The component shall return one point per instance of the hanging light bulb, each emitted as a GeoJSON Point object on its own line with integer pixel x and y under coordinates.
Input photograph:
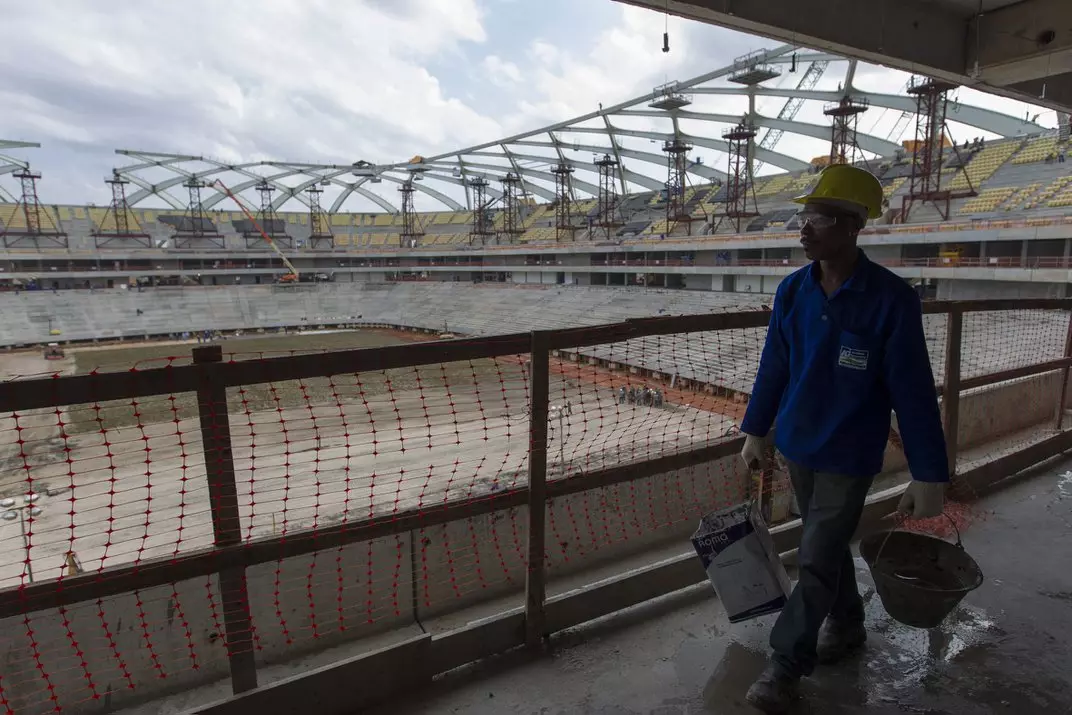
{"type": "Point", "coordinates": [666, 42]}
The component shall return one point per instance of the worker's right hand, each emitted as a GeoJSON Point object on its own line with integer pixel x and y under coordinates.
{"type": "Point", "coordinates": [754, 452]}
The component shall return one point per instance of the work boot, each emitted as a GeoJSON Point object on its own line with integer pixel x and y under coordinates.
{"type": "Point", "coordinates": [774, 692]}
{"type": "Point", "coordinates": [837, 641]}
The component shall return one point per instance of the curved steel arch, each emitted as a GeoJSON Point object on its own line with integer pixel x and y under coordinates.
{"type": "Point", "coordinates": [987, 119]}
{"type": "Point", "coordinates": [538, 181]}
{"type": "Point", "coordinates": [441, 197]}
{"type": "Point", "coordinates": [867, 142]}
{"type": "Point", "coordinates": [356, 188]}
{"type": "Point", "coordinates": [433, 173]}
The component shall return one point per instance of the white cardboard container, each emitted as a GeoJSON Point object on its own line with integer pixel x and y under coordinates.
{"type": "Point", "coordinates": [738, 554]}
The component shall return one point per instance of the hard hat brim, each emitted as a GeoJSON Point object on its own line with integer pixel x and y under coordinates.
{"type": "Point", "coordinates": [841, 204]}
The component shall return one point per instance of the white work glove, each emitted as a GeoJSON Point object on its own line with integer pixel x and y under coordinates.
{"type": "Point", "coordinates": [754, 452]}
{"type": "Point", "coordinates": [923, 500]}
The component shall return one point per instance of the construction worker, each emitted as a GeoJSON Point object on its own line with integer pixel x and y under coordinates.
{"type": "Point", "coordinates": [844, 346]}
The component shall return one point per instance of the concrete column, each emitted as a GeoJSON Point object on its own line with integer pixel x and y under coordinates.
{"type": "Point", "coordinates": [1023, 251]}
{"type": "Point", "coordinates": [982, 249]}
{"type": "Point", "coordinates": [1068, 248]}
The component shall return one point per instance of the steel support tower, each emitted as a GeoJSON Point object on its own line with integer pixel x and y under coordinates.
{"type": "Point", "coordinates": [320, 235]}
{"type": "Point", "coordinates": [677, 162]}
{"type": "Point", "coordinates": [844, 115]}
{"type": "Point", "coordinates": [481, 231]}
{"type": "Point", "coordinates": [412, 233]}
{"type": "Point", "coordinates": [740, 193]}
{"type": "Point", "coordinates": [565, 229]}
{"type": "Point", "coordinates": [512, 225]}
{"type": "Point", "coordinates": [607, 201]}
{"type": "Point", "coordinates": [122, 218]}
{"type": "Point", "coordinates": [195, 229]}
{"type": "Point", "coordinates": [40, 229]}
{"type": "Point", "coordinates": [925, 182]}
{"type": "Point", "coordinates": [270, 222]}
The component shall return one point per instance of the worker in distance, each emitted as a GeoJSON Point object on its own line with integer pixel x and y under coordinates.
{"type": "Point", "coordinates": [845, 346]}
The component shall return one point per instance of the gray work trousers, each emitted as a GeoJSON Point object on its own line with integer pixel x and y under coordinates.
{"type": "Point", "coordinates": [830, 508]}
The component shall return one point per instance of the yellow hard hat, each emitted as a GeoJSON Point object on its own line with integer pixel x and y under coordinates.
{"type": "Point", "coordinates": [847, 187]}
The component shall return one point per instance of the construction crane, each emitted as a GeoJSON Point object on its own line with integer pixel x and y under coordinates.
{"type": "Point", "coordinates": [791, 107]}
{"type": "Point", "coordinates": [291, 277]}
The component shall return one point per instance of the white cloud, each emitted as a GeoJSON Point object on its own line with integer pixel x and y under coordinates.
{"type": "Point", "coordinates": [287, 79]}
{"type": "Point", "coordinates": [323, 81]}
{"type": "Point", "coordinates": [501, 72]}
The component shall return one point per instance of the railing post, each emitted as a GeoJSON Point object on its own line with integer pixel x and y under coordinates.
{"type": "Point", "coordinates": [223, 505]}
{"type": "Point", "coordinates": [1059, 412]}
{"type": "Point", "coordinates": [535, 586]}
{"type": "Point", "coordinates": [951, 386]}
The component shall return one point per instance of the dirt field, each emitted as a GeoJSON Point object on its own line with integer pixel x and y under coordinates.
{"type": "Point", "coordinates": [121, 482]}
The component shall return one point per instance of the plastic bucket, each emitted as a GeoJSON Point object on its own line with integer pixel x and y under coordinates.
{"type": "Point", "coordinates": [920, 579]}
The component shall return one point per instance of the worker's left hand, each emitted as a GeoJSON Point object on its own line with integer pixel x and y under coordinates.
{"type": "Point", "coordinates": [923, 500]}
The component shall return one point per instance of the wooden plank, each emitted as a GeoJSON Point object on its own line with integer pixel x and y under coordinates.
{"type": "Point", "coordinates": [951, 386]}
{"type": "Point", "coordinates": [598, 479]}
{"type": "Point", "coordinates": [341, 688]}
{"type": "Point", "coordinates": [995, 304]}
{"type": "Point", "coordinates": [300, 367]}
{"type": "Point", "coordinates": [535, 586]}
{"type": "Point", "coordinates": [226, 527]}
{"type": "Point", "coordinates": [668, 325]}
{"type": "Point", "coordinates": [22, 395]}
{"type": "Point", "coordinates": [1014, 373]}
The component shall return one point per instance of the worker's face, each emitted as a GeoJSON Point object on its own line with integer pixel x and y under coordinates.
{"type": "Point", "coordinates": [826, 232]}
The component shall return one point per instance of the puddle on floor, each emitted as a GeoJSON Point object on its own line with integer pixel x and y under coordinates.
{"type": "Point", "coordinates": [1064, 485]}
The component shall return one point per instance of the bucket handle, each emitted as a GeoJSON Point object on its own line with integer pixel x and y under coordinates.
{"type": "Point", "coordinates": [902, 518]}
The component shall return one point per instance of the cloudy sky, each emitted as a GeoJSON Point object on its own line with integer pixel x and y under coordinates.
{"type": "Point", "coordinates": [334, 82]}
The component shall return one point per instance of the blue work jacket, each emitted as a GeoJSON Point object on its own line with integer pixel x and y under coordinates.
{"type": "Point", "coordinates": [833, 368]}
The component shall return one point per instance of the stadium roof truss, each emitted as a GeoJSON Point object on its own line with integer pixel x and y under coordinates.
{"type": "Point", "coordinates": [576, 142]}
{"type": "Point", "coordinates": [10, 164]}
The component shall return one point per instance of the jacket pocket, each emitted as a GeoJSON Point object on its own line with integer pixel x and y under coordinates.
{"type": "Point", "coordinates": [857, 355]}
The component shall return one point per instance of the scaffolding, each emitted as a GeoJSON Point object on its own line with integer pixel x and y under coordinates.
{"type": "Point", "coordinates": [925, 183]}
{"type": "Point", "coordinates": [740, 190]}
{"type": "Point", "coordinates": [269, 221]}
{"type": "Point", "coordinates": [607, 207]}
{"type": "Point", "coordinates": [565, 229]}
{"type": "Point", "coordinates": [121, 219]}
{"type": "Point", "coordinates": [844, 115]}
{"type": "Point", "coordinates": [412, 232]}
{"type": "Point", "coordinates": [194, 229]}
{"type": "Point", "coordinates": [39, 229]}
{"type": "Point", "coordinates": [511, 226]}
{"type": "Point", "coordinates": [677, 164]}
{"type": "Point", "coordinates": [480, 230]}
{"type": "Point", "coordinates": [320, 235]}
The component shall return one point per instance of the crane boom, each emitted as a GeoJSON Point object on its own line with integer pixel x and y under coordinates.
{"type": "Point", "coordinates": [268, 239]}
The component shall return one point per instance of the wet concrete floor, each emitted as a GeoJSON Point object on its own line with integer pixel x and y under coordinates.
{"type": "Point", "coordinates": [1006, 649]}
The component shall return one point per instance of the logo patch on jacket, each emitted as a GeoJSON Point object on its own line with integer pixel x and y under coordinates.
{"type": "Point", "coordinates": [853, 359]}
